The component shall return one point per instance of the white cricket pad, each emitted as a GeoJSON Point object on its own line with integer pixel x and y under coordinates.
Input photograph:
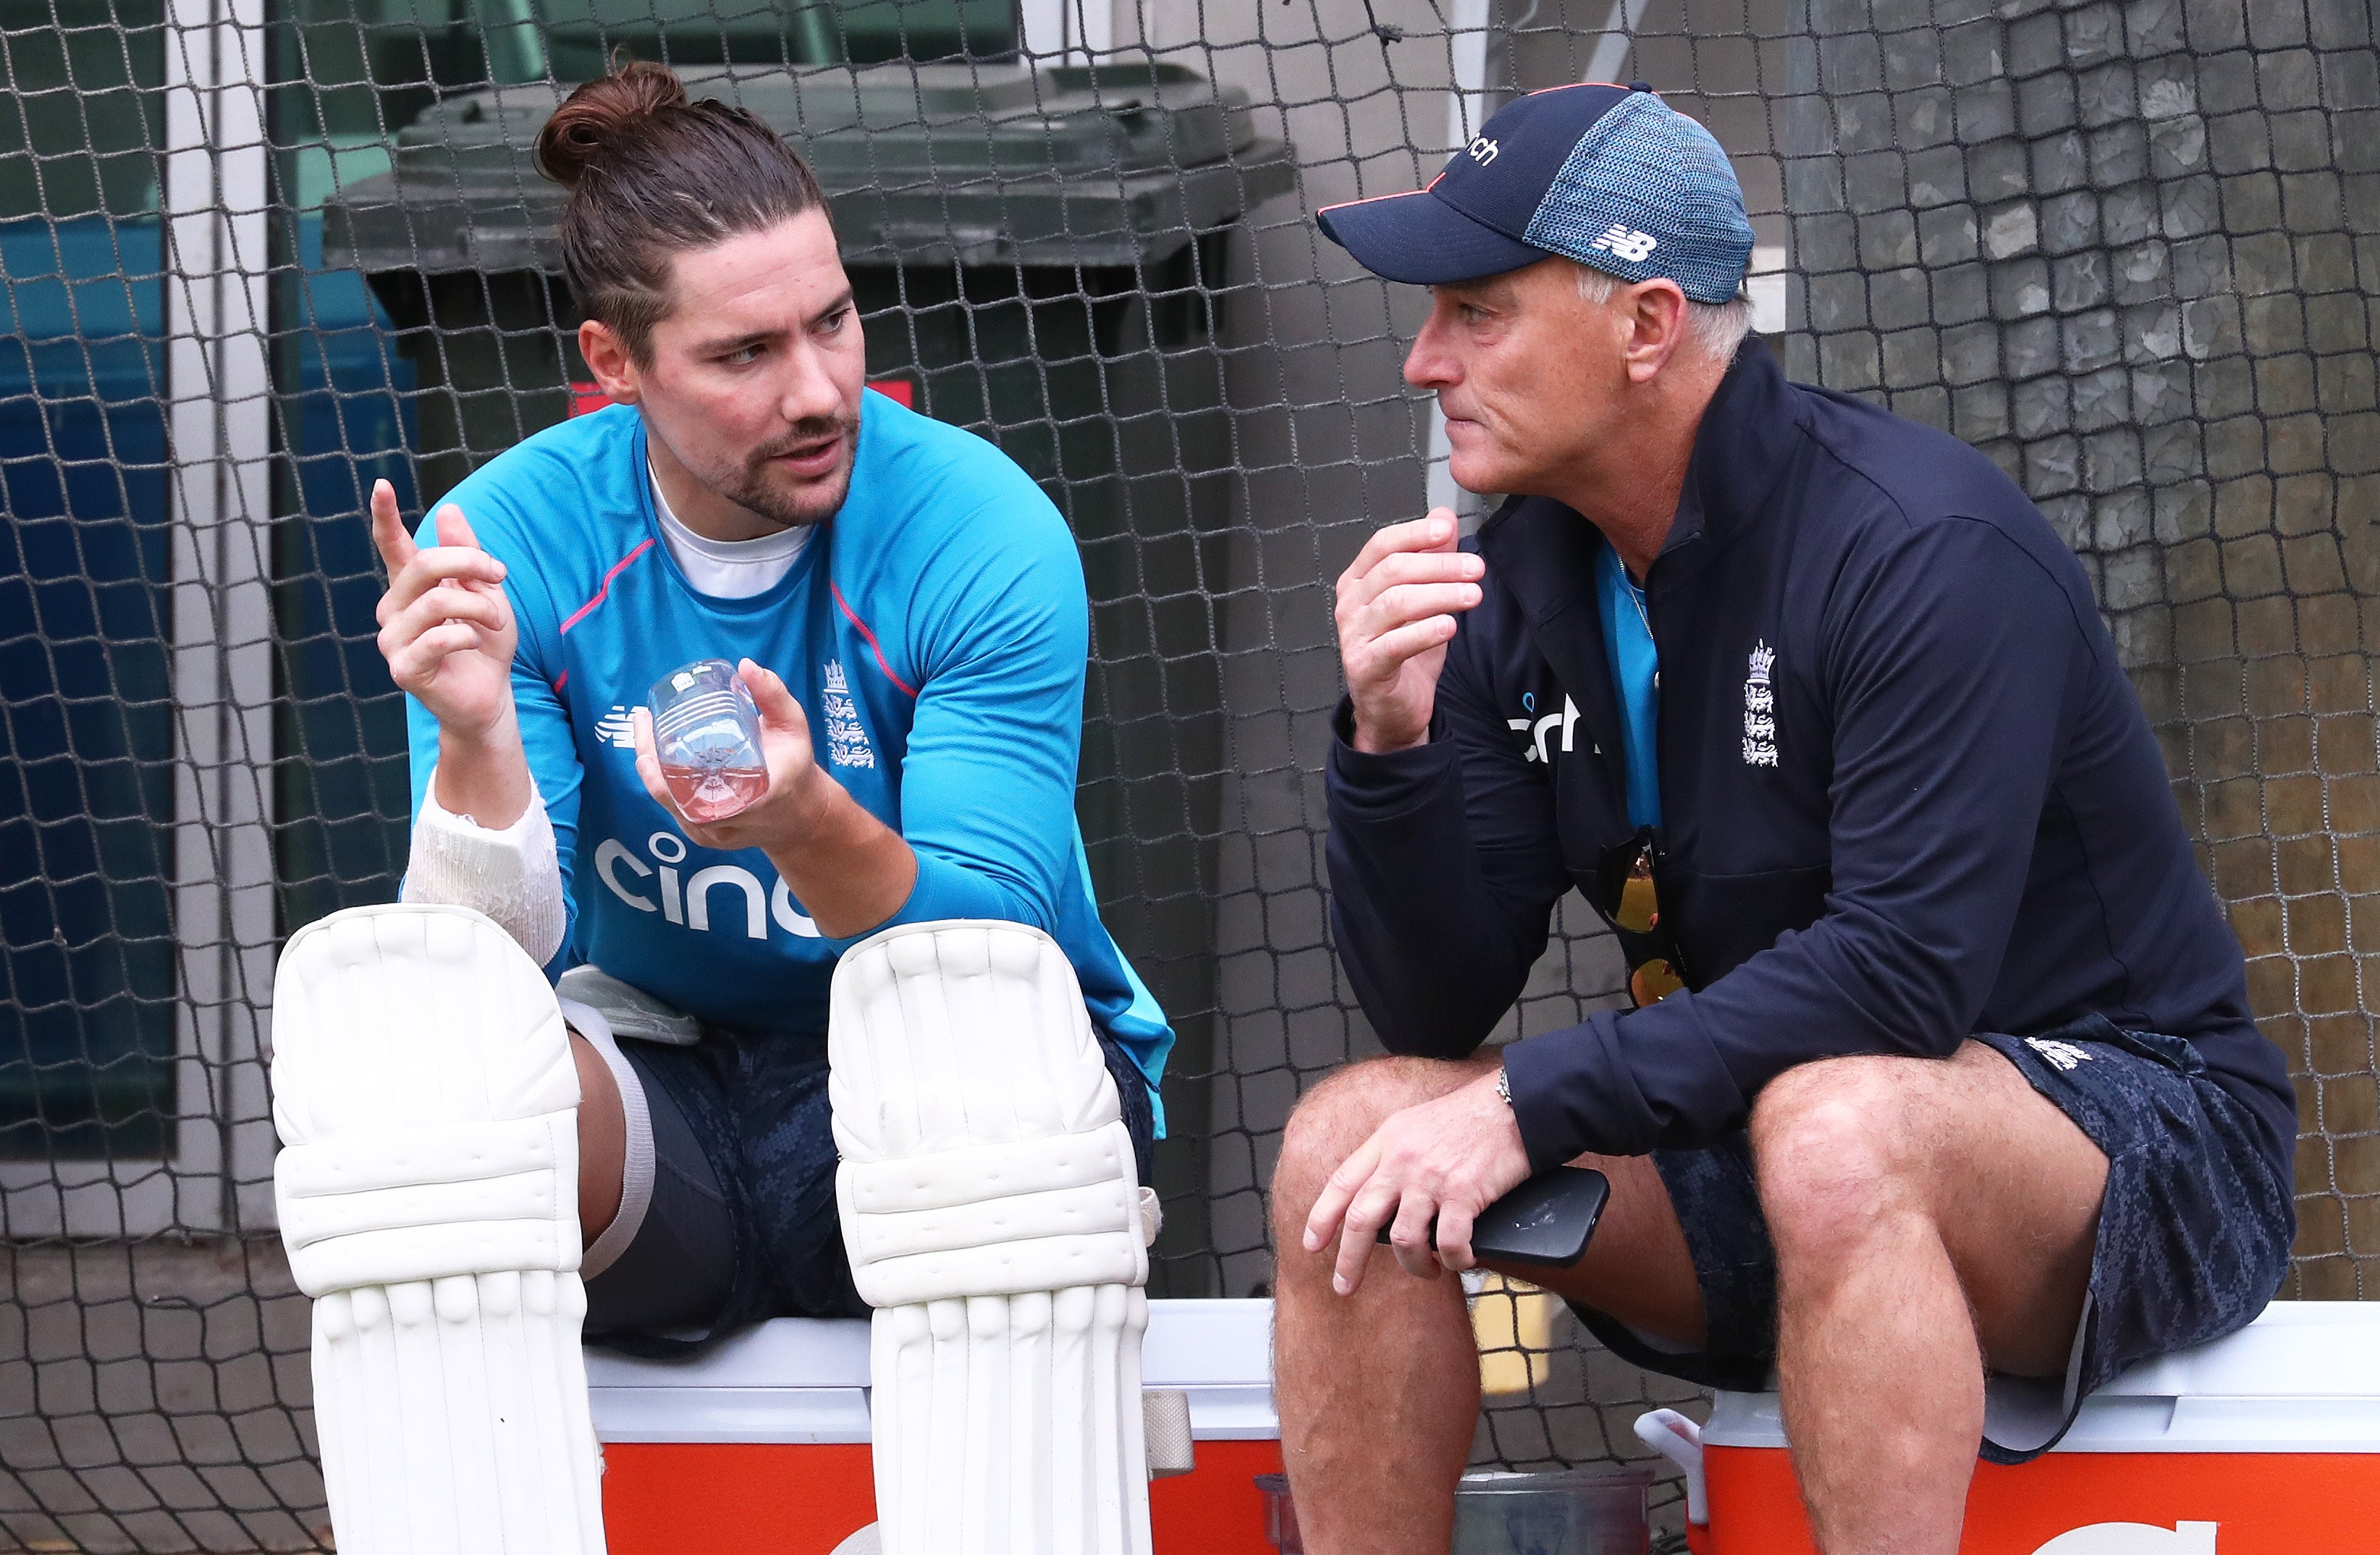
{"type": "Point", "coordinates": [994, 1221]}
{"type": "Point", "coordinates": [428, 1198]}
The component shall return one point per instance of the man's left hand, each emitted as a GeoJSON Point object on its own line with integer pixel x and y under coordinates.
{"type": "Point", "coordinates": [780, 819]}
{"type": "Point", "coordinates": [1445, 1159]}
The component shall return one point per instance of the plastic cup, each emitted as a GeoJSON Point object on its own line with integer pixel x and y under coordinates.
{"type": "Point", "coordinates": [706, 734]}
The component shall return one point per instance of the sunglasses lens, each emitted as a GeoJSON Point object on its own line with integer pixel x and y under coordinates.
{"type": "Point", "coordinates": [1653, 982]}
{"type": "Point", "coordinates": [1638, 907]}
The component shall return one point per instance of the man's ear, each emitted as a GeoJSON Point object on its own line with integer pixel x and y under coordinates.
{"type": "Point", "coordinates": [608, 358]}
{"type": "Point", "coordinates": [1656, 326]}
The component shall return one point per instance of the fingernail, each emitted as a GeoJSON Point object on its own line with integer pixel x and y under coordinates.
{"type": "Point", "coordinates": [1312, 1241]}
{"type": "Point", "coordinates": [1339, 1283]}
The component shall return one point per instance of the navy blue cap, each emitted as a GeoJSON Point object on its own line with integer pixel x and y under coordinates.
{"type": "Point", "coordinates": [1608, 176]}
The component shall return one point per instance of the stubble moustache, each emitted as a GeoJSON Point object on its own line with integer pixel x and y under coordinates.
{"type": "Point", "coordinates": [774, 496]}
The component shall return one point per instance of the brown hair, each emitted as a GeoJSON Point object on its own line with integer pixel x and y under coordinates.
{"type": "Point", "coordinates": [651, 175]}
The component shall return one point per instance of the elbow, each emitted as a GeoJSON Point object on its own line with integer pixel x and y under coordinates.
{"type": "Point", "coordinates": [1915, 997]}
{"type": "Point", "coordinates": [1424, 1014]}
{"type": "Point", "coordinates": [951, 886]}
{"type": "Point", "coordinates": [1922, 1009]}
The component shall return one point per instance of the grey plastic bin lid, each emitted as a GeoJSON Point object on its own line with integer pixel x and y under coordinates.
{"type": "Point", "coordinates": [985, 164]}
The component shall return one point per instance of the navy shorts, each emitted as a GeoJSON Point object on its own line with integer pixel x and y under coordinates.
{"type": "Point", "coordinates": [742, 1225]}
{"type": "Point", "coordinates": [2194, 1236]}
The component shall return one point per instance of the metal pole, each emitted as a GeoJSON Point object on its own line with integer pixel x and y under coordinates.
{"type": "Point", "coordinates": [219, 437]}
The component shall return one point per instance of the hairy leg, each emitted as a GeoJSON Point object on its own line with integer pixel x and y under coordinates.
{"type": "Point", "coordinates": [1380, 1391]}
{"type": "Point", "coordinates": [1929, 1216]}
{"type": "Point", "coordinates": [603, 1141]}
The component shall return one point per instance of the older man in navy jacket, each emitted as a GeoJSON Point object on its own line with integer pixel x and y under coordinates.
{"type": "Point", "coordinates": [1940, 1098]}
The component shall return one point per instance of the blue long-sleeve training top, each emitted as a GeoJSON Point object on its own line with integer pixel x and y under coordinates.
{"type": "Point", "coordinates": [935, 632]}
{"type": "Point", "coordinates": [1907, 793]}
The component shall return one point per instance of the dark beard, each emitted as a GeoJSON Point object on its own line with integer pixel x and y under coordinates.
{"type": "Point", "coordinates": [816, 502]}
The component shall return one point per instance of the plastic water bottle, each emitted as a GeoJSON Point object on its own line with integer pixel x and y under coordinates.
{"type": "Point", "coordinates": [707, 734]}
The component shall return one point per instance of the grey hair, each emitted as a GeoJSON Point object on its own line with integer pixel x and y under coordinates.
{"type": "Point", "coordinates": [1713, 329]}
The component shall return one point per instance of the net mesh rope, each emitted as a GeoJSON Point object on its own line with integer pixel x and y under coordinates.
{"type": "Point", "coordinates": [2131, 251]}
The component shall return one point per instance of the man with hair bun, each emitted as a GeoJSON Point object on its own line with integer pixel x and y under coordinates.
{"type": "Point", "coordinates": [907, 610]}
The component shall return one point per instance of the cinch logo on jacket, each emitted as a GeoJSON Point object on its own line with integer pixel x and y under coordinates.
{"type": "Point", "coordinates": [1532, 733]}
{"type": "Point", "coordinates": [688, 904]}
{"type": "Point", "coordinates": [1760, 710]}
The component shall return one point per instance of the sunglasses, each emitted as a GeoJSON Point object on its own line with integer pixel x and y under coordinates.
{"type": "Point", "coordinates": [1626, 895]}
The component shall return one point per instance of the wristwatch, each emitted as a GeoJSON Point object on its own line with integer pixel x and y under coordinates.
{"type": "Point", "coordinates": [1503, 1085]}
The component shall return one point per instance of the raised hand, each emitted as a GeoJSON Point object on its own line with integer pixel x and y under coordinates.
{"type": "Point", "coordinates": [445, 626]}
{"type": "Point", "coordinates": [448, 633]}
{"type": "Point", "coordinates": [1396, 607]}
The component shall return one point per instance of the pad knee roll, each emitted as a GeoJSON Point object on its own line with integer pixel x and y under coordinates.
{"type": "Point", "coordinates": [984, 1152]}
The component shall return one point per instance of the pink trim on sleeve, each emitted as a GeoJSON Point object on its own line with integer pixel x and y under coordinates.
{"type": "Point", "coordinates": [581, 613]}
{"type": "Point", "coordinates": [873, 646]}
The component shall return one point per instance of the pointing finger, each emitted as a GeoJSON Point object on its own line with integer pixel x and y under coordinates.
{"type": "Point", "coordinates": [395, 546]}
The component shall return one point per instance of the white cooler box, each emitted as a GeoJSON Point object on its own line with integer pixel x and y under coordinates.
{"type": "Point", "coordinates": [2264, 1443]}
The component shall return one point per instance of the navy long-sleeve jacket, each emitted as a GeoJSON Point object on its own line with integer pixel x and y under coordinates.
{"type": "Point", "coordinates": [1908, 793]}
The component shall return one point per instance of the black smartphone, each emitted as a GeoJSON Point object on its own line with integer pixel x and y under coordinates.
{"type": "Point", "coordinates": [1545, 1222]}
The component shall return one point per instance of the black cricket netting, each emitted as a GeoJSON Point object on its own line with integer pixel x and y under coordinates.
{"type": "Point", "coordinates": [254, 255]}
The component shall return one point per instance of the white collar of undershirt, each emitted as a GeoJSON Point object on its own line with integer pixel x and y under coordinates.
{"type": "Point", "coordinates": [728, 569]}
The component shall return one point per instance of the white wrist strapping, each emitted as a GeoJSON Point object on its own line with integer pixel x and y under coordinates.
{"type": "Point", "coordinates": [512, 876]}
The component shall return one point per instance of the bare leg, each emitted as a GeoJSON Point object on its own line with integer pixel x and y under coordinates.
{"type": "Point", "coordinates": [1378, 1392]}
{"type": "Point", "coordinates": [603, 1141]}
{"type": "Point", "coordinates": [1927, 1215]}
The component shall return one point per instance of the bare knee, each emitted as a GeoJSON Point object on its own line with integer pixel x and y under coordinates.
{"type": "Point", "coordinates": [1339, 1114]}
{"type": "Point", "coordinates": [602, 1139]}
{"type": "Point", "coordinates": [1837, 1149]}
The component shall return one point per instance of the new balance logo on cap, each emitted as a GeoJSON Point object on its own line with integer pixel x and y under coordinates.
{"type": "Point", "coordinates": [1608, 176]}
{"type": "Point", "coordinates": [1621, 243]}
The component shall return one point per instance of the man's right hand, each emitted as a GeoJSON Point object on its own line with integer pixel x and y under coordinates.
{"type": "Point", "coordinates": [1396, 607]}
{"type": "Point", "coordinates": [447, 631]}
{"type": "Point", "coordinates": [446, 627]}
